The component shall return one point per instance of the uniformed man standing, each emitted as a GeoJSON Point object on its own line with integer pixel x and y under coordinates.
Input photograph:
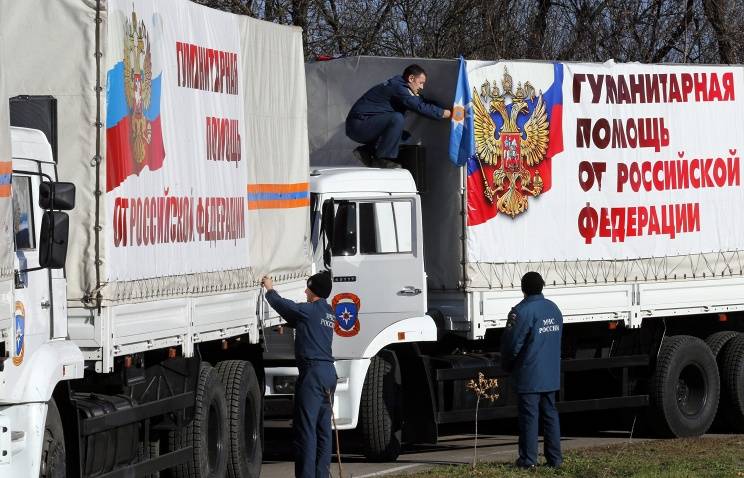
{"type": "Point", "coordinates": [531, 351]}
{"type": "Point", "coordinates": [316, 383]}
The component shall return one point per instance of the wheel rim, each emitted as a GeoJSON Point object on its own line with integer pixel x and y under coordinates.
{"type": "Point", "coordinates": [692, 390]}
{"type": "Point", "coordinates": [214, 433]}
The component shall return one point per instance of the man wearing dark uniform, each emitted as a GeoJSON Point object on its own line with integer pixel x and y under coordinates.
{"type": "Point", "coordinates": [377, 118]}
{"type": "Point", "coordinates": [531, 351]}
{"type": "Point", "coordinates": [313, 322]}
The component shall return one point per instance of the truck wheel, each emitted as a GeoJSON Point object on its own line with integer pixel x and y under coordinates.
{"type": "Point", "coordinates": [379, 414]}
{"type": "Point", "coordinates": [148, 453]}
{"type": "Point", "coordinates": [53, 450]}
{"type": "Point", "coordinates": [685, 387]}
{"type": "Point", "coordinates": [244, 409]}
{"type": "Point", "coordinates": [208, 431]}
{"type": "Point", "coordinates": [717, 340]}
{"type": "Point", "coordinates": [732, 380]}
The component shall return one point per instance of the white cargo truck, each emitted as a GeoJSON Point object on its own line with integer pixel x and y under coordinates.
{"type": "Point", "coordinates": [619, 183]}
{"type": "Point", "coordinates": [159, 170]}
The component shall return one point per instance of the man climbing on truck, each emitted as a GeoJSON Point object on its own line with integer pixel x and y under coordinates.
{"type": "Point", "coordinates": [377, 118]}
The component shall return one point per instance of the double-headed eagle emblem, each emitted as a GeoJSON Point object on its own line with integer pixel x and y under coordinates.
{"type": "Point", "coordinates": [512, 149]}
{"type": "Point", "coordinates": [138, 86]}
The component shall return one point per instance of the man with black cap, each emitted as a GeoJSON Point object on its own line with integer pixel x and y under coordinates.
{"type": "Point", "coordinates": [531, 351]}
{"type": "Point", "coordinates": [313, 321]}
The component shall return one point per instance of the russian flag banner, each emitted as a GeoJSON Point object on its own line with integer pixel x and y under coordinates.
{"type": "Point", "coordinates": [517, 129]}
{"type": "Point", "coordinates": [134, 135]}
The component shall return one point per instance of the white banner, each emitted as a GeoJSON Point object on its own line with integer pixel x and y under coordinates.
{"type": "Point", "coordinates": [6, 171]}
{"type": "Point", "coordinates": [604, 161]}
{"type": "Point", "coordinates": [176, 177]}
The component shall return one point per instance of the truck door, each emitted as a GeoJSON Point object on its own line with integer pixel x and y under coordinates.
{"type": "Point", "coordinates": [33, 298]}
{"type": "Point", "coordinates": [376, 257]}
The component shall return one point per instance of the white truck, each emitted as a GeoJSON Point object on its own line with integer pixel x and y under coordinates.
{"type": "Point", "coordinates": [159, 170]}
{"type": "Point", "coordinates": [619, 183]}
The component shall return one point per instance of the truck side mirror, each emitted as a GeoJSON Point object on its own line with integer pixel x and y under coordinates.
{"type": "Point", "coordinates": [56, 195]}
{"type": "Point", "coordinates": [55, 229]}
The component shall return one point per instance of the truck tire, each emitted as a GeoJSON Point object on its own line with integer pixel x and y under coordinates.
{"type": "Point", "coordinates": [53, 463]}
{"type": "Point", "coordinates": [148, 453]}
{"type": "Point", "coordinates": [244, 411]}
{"type": "Point", "coordinates": [208, 431]}
{"type": "Point", "coordinates": [685, 387]}
{"type": "Point", "coordinates": [732, 383]}
{"type": "Point", "coordinates": [717, 340]}
{"type": "Point", "coordinates": [380, 410]}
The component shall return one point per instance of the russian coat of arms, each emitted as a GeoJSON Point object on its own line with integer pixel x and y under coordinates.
{"type": "Point", "coordinates": [511, 134]}
{"type": "Point", "coordinates": [138, 87]}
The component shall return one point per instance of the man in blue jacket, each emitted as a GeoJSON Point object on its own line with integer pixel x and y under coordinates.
{"type": "Point", "coordinates": [377, 118]}
{"type": "Point", "coordinates": [531, 351]}
{"type": "Point", "coordinates": [313, 322]}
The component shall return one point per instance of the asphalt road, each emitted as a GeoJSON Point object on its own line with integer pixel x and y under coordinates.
{"type": "Point", "coordinates": [497, 442]}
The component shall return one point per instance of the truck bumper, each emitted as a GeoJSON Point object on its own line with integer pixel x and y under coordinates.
{"type": "Point", "coordinates": [350, 373]}
{"type": "Point", "coordinates": [21, 439]}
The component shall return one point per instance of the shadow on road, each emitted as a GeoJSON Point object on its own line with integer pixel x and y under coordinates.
{"type": "Point", "coordinates": [494, 436]}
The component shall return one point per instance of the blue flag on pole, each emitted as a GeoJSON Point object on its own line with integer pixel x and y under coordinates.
{"type": "Point", "coordinates": [462, 143]}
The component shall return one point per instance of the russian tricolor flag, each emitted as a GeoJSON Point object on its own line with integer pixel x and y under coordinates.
{"type": "Point", "coordinates": [121, 122]}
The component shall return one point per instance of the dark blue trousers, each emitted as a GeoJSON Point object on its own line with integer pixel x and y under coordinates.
{"type": "Point", "coordinates": [534, 406]}
{"type": "Point", "coordinates": [312, 420]}
{"type": "Point", "coordinates": [381, 133]}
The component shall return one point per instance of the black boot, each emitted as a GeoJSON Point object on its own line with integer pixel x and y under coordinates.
{"type": "Point", "coordinates": [364, 155]}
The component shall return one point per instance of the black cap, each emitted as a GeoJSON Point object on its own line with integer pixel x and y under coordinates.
{"type": "Point", "coordinates": [320, 284]}
{"type": "Point", "coordinates": [532, 283]}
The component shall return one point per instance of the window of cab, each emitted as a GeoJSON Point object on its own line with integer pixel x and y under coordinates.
{"type": "Point", "coordinates": [23, 214]}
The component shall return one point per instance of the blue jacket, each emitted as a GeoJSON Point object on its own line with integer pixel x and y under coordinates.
{"type": "Point", "coordinates": [393, 96]}
{"type": "Point", "coordinates": [531, 345]}
{"type": "Point", "coordinates": [314, 323]}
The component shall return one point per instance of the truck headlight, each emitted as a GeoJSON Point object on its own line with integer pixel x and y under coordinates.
{"type": "Point", "coordinates": [284, 384]}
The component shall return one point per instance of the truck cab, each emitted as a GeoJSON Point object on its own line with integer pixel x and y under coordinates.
{"type": "Point", "coordinates": [365, 227]}
{"type": "Point", "coordinates": [37, 353]}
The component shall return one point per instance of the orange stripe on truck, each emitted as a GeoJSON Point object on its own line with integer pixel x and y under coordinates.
{"type": "Point", "coordinates": [278, 204]}
{"type": "Point", "coordinates": [278, 196]}
{"type": "Point", "coordinates": [278, 188]}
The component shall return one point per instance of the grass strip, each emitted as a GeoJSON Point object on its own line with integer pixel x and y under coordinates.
{"type": "Point", "coordinates": [688, 457]}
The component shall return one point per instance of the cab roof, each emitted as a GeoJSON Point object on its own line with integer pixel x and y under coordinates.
{"type": "Point", "coordinates": [30, 144]}
{"type": "Point", "coordinates": [360, 180]}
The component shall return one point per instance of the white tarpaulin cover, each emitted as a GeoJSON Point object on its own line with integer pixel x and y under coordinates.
{"type": "Point", "coordinates": [604, 161]}
{"type": "Point", "coordinates": [175, 157]}
{"type": "Point", "coordinates": [6, 169]}
{"type": "Point", "coordinates": [203, 142]}
{"type": "Point", "coordinates": [6, 208]}
{"type": "Point", "coordinates": [546, 236]}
